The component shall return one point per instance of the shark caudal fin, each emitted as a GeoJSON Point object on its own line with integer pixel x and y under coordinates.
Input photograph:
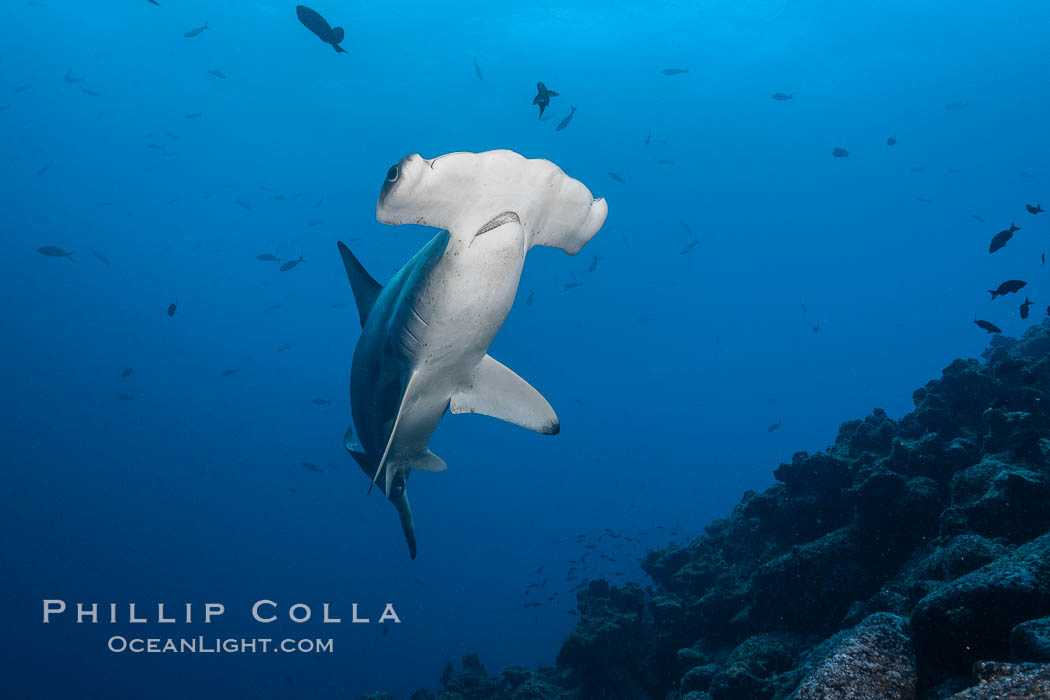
{"type": "Point", "coordinates": [366, 289]}
{"type": "Point", "coordinates": [337, 35]}
{"type": "Point", "coordinates": [397, 496]}
{"type": "Point", "coordinates": [497, 391]}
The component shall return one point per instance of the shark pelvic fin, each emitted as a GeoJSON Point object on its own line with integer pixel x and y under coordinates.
{"type": "Point", "coordinates": [393, 433]}
{"type": "Point", "coordinates": [497, 391]}
{"type": "Point", "coordinates": [366, 289]}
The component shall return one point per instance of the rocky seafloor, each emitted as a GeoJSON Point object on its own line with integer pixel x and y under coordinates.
{"type": "Point", "coordinates": [911, 559]}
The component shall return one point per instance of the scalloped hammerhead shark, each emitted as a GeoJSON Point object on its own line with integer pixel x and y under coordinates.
{"type": "Point", "coordinates": [425, 336]}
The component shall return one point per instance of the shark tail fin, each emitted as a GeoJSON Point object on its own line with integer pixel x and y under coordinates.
{"type": "Point", "coordinates": [338, 34]}
{"type": "Point", "coordinates": [365, 289]}
{"type": "Point", "coordinates": [993, 293]}
{"type": "Point", "coordinates": [553, 94]}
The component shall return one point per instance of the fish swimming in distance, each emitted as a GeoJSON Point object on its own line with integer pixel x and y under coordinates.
{"type": "Point", "coordinates": [543, 97]}
{"type": "Point", "coordinates": [688, 248]}
{"type": "Point", "coordinates": [648, 138]}
{"type": "Point", "coordinates": [44, 168]}
{"type": "Point", "coordinates": [292, 263]}
{"type": "Point", "coordinates": [266, 257]}
{"type": "Point", "coordinates": [229, 372]}
{"type": "Point", "coordinates": [1007, 287]}
{"type": "Point", "coordinates": [840, 152]}
{"type": "Point", "coordinates": [774, 426]}
{"type": "Point", "coordinates": [1000, 239]}
{"type": "Point", "coordinates": [477, 69]}
{"type": "Point", "coordinates": [92, 93]}
{"type": "Point", "coordinates": [311, 467]}
{"type": "Point", "coordinates": [286, 346]}
{"type": "Point", "coordinates": [665, 162]}
{"type": "Point", "coordinates": [100, 256]}
{"type": "Point", "coordinates": [977, 217]}
{"type": "Point", "coordinates": [53, 251]}
{"type": "Point", "coordinates": [424, 338]}
{"type": "Point", "coordinates": [317, 24]}
{"type": "Point", "coordinates": [674, 71]}
{"type": "Point", "coordinates": [594, 264]}
{"type": "Point", "coordinates": [321, 402]}
{"type": "Point", "coordinates": [70, 78]}
{"type": "Point", "coordinates": [195, 31]}
{"type": "Point", "coordinates": [530, 297]}
{"type": "Point", "coordinates": [571, 285]}
{"type": "Point", "coordinates": [217, 73]}
{"type": "Point", "coordinates": [126, 372]}
{"type": "Point", "coordinates": [1024, 308]}
{"type": "Point", "coordinates": [617, 177]}
{"type": "Point", "coordinates": [172, 307]}
{"type": "Point", "coordinates": [1037, 209]}
{"type": "Point", "coordinates": [154, 2]}
{"type": "Point", "coordinates": [783, 96]}
{"type": "Point", "coordinates": [956, 106]}
{"type": "Point", "coordinates": [891, 141]}
{"type": "Point", "coordinates": [193, 115]}
{"type": "Point", "coordinates": [565, 122]}
{"type": "Point", "coordinates": [988, 326]}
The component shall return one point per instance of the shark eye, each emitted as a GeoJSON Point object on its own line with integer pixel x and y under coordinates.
{"type": "Point", "coordinates": [393, 173]}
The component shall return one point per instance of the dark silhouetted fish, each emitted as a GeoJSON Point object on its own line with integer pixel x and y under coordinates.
{"type": "Point", "coordinates": [918, 169]}
{"type": "Point", "coordinates": [648, 138]}
{"type": "Point", "coordinates": [783, 96]}
{"type": "Point", "coordinates": [477, 69]}
{"type": "Point", "coordinates": [53, 251]}
{"type": "Point", "coordinates": [977, 217]}
{"type": "Point", "coordinates": [816, 328]}
{"type": "Point", "coordinates": [594, 264]}
{"type": "Point", "coordinates": [292, 263]}
{"type": "Point", "coordinates": [924, 200]}
{"type": "Point", "coordinates": [685, 226]}
{"type": "Point", "coordinates": [286, 346]}
{"type": "Point", "coordinates": [23, 88]}
{"type": "Point", "coordinates": [665, 162]}
{"type": "Point", "coordinates": [840, 152]}
{"type": "Point", "coordinates": [565, 122]}
{"type": "Point", "coordinates": [70, 78]}
{"type": "Point", "coordinates": [154, 2]}
{"type": "Point", "coordinates": [988, 326]}
{"type": "Point", "coordinates": [1000, 239]}
{"type": "Point", "coordinates": [1037, 209]}
{"type": "Point", "coordinates": [193, 115]}
{"type": "Point", "coordinates": [319, 26]}
{"type": "Point", "coordinates": [127, 372]}
{"type": "Point", "coordinates": [44, 168]}
{"type": "Point", "coordinates": [529, 298]}
{"type": "Point", "coordinates": [1024, 307]}
{"type": "Point", "coordinates": [217, 73]}
{"type": "Point", "coordinates": [100, 256]}
{"type": "Point", "coordinates": [195, 31]}
{"type": "Point", "coordinates": [1007, 287]}
{"type": "Point", "coordinates": [229, 372]}
{"type": "Point", "coordinates": [688, 248]}
{"type": "Point", "coordinates": [172, 307]}
{"type": "Point", "coordinates": [321, 402]}
{"type": "Point", "coordinates": [244, 205]}
{"type": "Point", "coordinates": [543, 97]}
{"type": "Point", "coordinates": [311, 467]}
{"type": "Point", "coordinates": [92, 93]}
{"type": "Point", "coordinates": [126, 397]}
{"type": "Point", "coordinates": [617, 177]}
{"type": "Point", "coordinates": [891, 141]}
{"type": "Point", "coordinates": [774, 426]}
{"type": "Point", "coordinates": [571, 285]}
{"type": "Point", "coordinates": [674, 71]}
{"type": "Point", "coordinates": [266, 257]}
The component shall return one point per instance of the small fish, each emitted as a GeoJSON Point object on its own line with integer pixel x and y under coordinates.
{"type": "Point", "coordinates": [543, 97]}
{"type": "Point", "coordinates": [292, 263]}
{"type": "Point", "coordinates": [106, 203]}
{"type": "Point", "coordinates": [565, 122]}
{"type": "Point", "coordinates": [685, 226]}
{"type": "Point", "coordinates": [154, 2]}
{"type": "Point", "coordinates": [840, 152]}
{"type": "Point", "coordinates": [1007, 287]}
{"type": "Point", "coordinates": [688, 248]}
{"type": "Point", "coordinates": [286, 346]}
{"type": "Point", "coordinates": [528, 299]}
{"type": "Point", "coordinates": [244, 205]}
{"type": "Point", "coordinates": [311, 467]}
{"type": "Point", "coordinates": [1000, 239]}
{"type": "Point", "coordinates": [816, 328]}
{"type": "Point", "coordinates": [229, 372]}
{"type": "Point", "coordinates": [1027, 175]}
{"type": "Point", "coordinates": [314, 222]}
{"type": "Point", "coordinates": [70, 78]}
{"type": "Point", "coordinates": [977, 217]}
{"type": "Point", "coordinates": [266, 257]}
{"type": "Point", "coordinates": [100, 256]}
{"type": "Point", "coordinates": [44, 168]}
{"type": "Point", "coordinates": [126, 372]}
{"type": "Point", "coordinates": [783, 96]}
{"type": "Point", "coordinates": [674, 71]}
{"type": "Point", "coordinates": [53, 251]}
{"type": "Point", "coordinates": [477, 69]}
{"type": "Point", "coordinates": [988, 326]}
{"type": "Point", "coordinates": [172, 307]}
{"type": "Point", "coordinates": [594, 264]}
{"type": "Point", "coordinates": [571, 285]}
{"type": "Point", "coordinates": [321, 402]}
{"type": "Point", "coordinates": [648, 138]}
{"type": "Point", "coordinates": [333, 36]}
{"type": "Point", "coordinates": [193, 115]}
{"type": "Point", "coordinates": [92, 93]}
{"type": "Point", "coordinates": [1024, 308]}
{"type": "Point", "coordinates": [278, 197]}
{"type": "Point", "coordinates": [924, 200]}
{"type": "Point", "coordinates": [195, 31]}
{"type": "Point", "coordinates": [217, 73]}
{"type": "Point", "coordinates": [774, 426]}
{"type": "Point", "coordinates": [23, 88]}
{"type": "Point", "coordinates": [617, 177]}
{"type": "Point", "coordinates": [891, 141]}
{"type": "Point", "coordinates": [1037, 209]}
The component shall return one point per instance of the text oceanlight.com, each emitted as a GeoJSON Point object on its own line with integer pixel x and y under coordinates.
{"type": "Point", "coordinates": [203, 645]}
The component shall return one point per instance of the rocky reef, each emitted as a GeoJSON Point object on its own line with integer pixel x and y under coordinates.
{"type": "Point", "coordinates": [911, 559]}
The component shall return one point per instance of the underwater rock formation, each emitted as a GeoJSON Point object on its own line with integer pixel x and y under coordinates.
{"type": "Point", "coordinates": [911, 559]}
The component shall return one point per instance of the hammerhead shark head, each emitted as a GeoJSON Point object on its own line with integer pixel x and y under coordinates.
{"type": "Point", "coordinates": [425, 336]}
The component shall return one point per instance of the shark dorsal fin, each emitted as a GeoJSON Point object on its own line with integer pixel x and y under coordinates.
{"type": "Point", "coordinates": [497, 391]}
{"type": "Point", "coordinates": [365, 288]}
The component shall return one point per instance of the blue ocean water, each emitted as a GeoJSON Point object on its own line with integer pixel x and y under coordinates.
{"type": "Point", "coordinates": [667, 366]}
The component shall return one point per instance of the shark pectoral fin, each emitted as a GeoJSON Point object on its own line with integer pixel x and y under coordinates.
{"type": "Point", "coordinates": [366, 289]}
{"type": "Point", "coordinates": [498, 392]}
{"type": "Point", "coordinates": [429, 462]}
